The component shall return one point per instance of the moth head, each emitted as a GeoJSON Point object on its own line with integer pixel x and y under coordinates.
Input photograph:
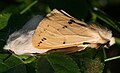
{"type": "Point", "coordinates": [110, 42]}
{"type": "Point", "coordinates": [107, 35]}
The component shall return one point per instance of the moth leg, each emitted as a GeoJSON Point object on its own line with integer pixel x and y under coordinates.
{"type": "Point", "coordinates": [82, 47]}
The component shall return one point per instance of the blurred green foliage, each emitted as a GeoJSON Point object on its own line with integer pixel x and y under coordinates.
{"type": "Point", "coordinates": [15, 13]}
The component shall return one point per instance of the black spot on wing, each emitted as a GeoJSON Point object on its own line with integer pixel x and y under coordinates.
{"type": "Point", "coordinates": [73, 21]}
{"type": "Point", "coordinates": [44, 38]}
{"type": "Point", "coordinates": [63, 42]}
{"type": "Point", "coordinates": [85, 43]}
{"type": "Point", "coordinates": [39, 43]}
{"type": "Point", "coordinates": [64, 27]}
{"type": "Point", "coordinates": [69, 22]}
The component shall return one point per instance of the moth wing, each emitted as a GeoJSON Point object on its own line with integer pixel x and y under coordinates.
{"type": "Point", "coordinates": [60, 30]}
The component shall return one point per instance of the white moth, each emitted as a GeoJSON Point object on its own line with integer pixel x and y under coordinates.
{"type": "Point", "coordinates": [57, 32]}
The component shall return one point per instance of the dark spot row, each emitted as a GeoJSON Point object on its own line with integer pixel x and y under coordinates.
{"type": "Point", "coordinates": [64, 27]}
{"type": "Point", "coordinates": [41, 41]}
{"type": "Point", "coordinates": [71, 21]}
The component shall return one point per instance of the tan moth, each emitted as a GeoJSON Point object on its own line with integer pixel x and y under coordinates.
{"type": "Point", "coordinates": [59, 32]}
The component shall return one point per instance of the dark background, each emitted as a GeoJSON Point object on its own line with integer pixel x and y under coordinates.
{"type": "Point", "coordinates": [77, 8]}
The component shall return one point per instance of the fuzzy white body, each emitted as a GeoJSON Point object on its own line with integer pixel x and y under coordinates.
{"type": "Point", "coordinates": [20, 42]}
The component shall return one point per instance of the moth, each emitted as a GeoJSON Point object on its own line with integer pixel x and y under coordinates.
{"type": "Point", "coordinates": [57, 32]}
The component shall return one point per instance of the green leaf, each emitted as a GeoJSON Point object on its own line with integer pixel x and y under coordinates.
{"type": "Point", "coordinates": [17, 69]}
{"type": "Point", "coordinates": [43, 66]}
{"type": "Point", "coordinates": [94, 66]}
{"type": "Point", "coordinates": [117, 40]}
{"type": "Point", "coordinates": [4, 19]}
{"type": "Point", "coordinates": [89, 60]}
{"type": "Point", "coordinates": [62, 63]}
{"type": "Point", "coordinates": [8, 62]}
{"type": "Point", "coordinates": [12, 61]}
{"type": "Point", "coordinates": [28, 7]}
{"type": "Point", "coordinates": [3, 67]}
{"type": "Point", "coordinates": [29, 60]}
{"type": "Point", "coordinates": [3, 56]}
{"type": "Point", "coordinates": [31, 67]}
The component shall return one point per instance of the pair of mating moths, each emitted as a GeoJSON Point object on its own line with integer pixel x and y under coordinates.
{"type": "Point", "coordinates": [57, 32]}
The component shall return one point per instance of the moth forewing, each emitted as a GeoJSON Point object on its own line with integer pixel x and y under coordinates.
{"type": "Point", "coordinates": [63, 31]}
{"type": "Point", "coordinates": [56, 23]}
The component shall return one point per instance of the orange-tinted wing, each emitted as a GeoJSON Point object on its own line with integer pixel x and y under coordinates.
{"type": "Point", "coordinates": [60, 30]}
